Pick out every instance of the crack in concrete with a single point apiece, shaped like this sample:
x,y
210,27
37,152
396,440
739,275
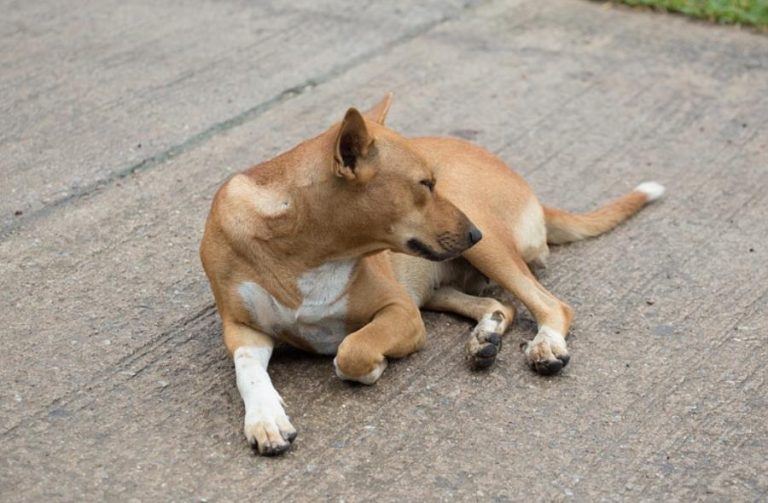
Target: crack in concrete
x,y
177,150
254,112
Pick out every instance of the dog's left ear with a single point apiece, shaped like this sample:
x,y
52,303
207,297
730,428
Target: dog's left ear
x,y
353,144
378,113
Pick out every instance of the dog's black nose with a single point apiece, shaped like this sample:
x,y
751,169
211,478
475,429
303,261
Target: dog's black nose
x,y
475,235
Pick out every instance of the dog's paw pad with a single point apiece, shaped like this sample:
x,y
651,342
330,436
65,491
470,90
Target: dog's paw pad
x,y
548,367
546,353
483,347
270,438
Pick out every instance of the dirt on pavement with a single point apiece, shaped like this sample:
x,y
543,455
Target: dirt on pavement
x,y
120,120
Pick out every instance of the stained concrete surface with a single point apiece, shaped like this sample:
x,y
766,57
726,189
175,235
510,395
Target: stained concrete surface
x,y
120,119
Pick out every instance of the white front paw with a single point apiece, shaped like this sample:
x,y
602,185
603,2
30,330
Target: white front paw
x,y
269,430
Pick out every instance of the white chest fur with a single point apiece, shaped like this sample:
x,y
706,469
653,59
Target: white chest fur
x,y
320,320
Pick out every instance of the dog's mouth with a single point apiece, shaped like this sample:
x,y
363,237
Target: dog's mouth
x,y
423,250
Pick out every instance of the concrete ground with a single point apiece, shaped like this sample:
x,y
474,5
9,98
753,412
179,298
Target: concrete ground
x,y
119,119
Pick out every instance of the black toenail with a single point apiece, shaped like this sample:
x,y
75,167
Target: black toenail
x,y
275,450
482,363
549,367
494,339
487,351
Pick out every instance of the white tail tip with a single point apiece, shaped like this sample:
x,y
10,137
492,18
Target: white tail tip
x,y
652,190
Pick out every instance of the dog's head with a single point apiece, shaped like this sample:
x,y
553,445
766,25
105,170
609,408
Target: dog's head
x,y
391,192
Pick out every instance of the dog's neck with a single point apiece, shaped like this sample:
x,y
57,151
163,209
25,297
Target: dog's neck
x,y
320,226
316,226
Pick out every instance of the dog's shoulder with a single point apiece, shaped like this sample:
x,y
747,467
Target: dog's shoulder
x,y
245,208
242,193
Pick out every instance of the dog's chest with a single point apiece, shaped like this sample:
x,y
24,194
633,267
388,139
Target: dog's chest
x,y
320,322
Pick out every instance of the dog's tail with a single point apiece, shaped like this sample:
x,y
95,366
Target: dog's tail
x,y
564,227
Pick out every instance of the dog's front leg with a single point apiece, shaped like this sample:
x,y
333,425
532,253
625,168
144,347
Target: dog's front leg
x,y
266,425
395,331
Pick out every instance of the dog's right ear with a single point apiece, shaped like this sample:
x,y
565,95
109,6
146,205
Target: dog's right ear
x,y
353,145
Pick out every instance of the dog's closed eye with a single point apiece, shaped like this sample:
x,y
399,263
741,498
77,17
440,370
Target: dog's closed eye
x,y
430,184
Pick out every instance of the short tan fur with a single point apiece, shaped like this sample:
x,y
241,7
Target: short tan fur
x,y
334,246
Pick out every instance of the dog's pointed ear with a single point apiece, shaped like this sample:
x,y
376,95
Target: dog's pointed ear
x,y
353,145
378,113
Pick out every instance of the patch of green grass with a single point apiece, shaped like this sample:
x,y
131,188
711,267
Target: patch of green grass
x,y
748,12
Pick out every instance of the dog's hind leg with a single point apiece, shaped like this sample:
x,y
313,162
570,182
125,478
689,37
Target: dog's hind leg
x,y
493,318
496,256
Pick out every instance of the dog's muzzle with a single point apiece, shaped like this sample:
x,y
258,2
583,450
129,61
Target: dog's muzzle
x,y
452,244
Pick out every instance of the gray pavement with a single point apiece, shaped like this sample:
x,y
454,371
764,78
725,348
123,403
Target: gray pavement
x,y
120,119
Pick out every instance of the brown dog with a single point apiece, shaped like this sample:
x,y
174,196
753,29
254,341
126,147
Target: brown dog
x,y
334,246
